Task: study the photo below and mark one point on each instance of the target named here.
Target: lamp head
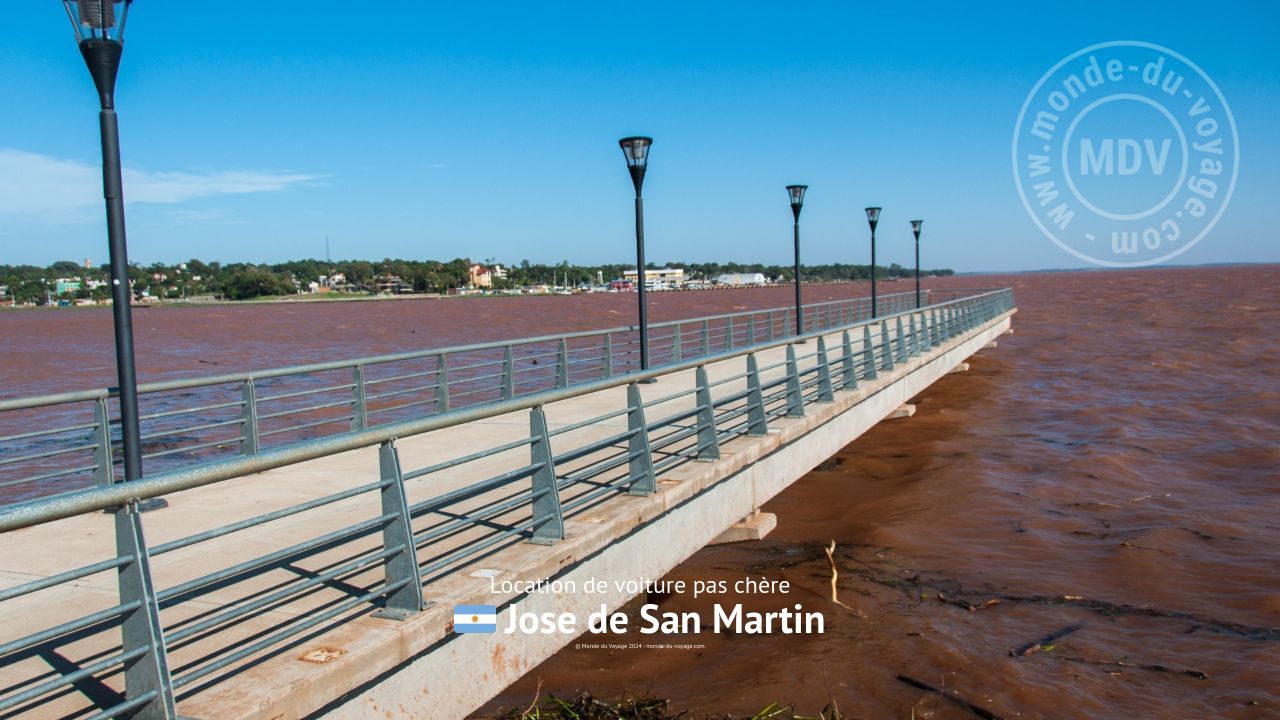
(636, 152)
(797, 198)
(99, 28)
(873, 217)
(915, 227)
(98, 19)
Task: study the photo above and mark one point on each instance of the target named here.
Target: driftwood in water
(1136, 666)
(1035, 647)
(951, 695)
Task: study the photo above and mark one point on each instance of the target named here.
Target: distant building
(741, 279)
(391, 285)
(657, 279)
(499, 272)
(479, 276)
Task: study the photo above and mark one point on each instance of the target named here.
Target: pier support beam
(905, 410)
(753, 527)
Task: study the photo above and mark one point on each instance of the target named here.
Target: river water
(1109, 472)
(56, 350)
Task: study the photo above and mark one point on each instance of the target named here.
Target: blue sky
(489, 130)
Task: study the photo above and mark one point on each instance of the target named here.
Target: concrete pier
(358, 665)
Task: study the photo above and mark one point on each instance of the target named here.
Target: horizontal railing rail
(76, 440)
(326, 551)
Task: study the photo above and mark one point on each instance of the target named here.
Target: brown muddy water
(56, 350)
(1109, 472)
(1111, 467)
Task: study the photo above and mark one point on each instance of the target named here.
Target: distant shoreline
(312, 298)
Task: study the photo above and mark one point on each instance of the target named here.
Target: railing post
(825, 391)
(103, 470)
(442, 383)
(248, 418)
(728, 332)
(886, 346)
(562, 364)
(925, 337)
(677, 352)
(914, 344)
(771, 323)
(640, 478)
(706, 338)
(140, 628)
(708, 443)
(795, 396)
(902, 341)
(407, 599)
(757, 420)
(509, 372)
(548, 521)
(359, 406)
(868, 354)
(608, 355)
(849, 381)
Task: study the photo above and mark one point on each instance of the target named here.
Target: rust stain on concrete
(322, 655)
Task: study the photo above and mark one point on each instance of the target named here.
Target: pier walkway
(319, 576)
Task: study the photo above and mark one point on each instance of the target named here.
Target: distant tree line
(29, 284)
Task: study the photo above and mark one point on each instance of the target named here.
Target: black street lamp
(873, 217)
(915, 228)
(636, 151)
(99, 28)
(797, 201)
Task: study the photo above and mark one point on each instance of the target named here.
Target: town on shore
(65, 283)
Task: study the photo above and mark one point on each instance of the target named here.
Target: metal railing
(370, 541)
(55, 443)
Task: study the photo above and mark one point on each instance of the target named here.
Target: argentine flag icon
(475, 618)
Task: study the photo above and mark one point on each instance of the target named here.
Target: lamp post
(636, 151)
(873, 217)
(797, 201)
(99, 28)
(915, 228)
